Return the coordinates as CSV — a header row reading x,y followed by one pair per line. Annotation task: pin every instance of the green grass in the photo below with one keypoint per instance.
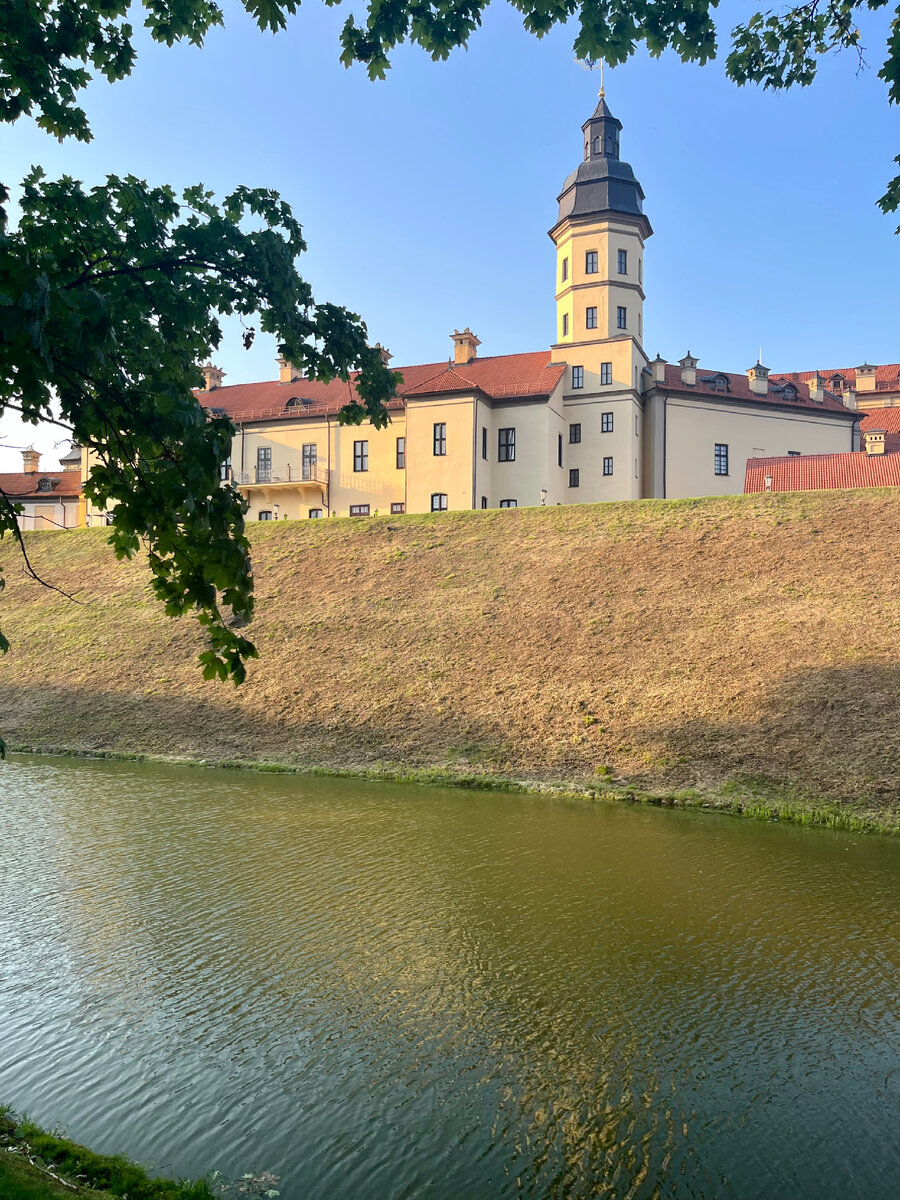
x,y
108,1175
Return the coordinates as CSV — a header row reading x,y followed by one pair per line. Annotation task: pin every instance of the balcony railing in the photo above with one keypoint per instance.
x,y
292,473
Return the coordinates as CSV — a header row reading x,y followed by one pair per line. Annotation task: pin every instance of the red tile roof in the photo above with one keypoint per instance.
x,y
887,376
739,389
23,485
887,419
823,472
506,375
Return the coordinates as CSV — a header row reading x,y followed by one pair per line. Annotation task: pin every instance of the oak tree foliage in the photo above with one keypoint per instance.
x,y
110,297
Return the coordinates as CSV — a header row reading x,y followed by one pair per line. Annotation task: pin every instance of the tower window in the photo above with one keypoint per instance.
x,y
401,453
607,465
440,438
623,262
565,331
573,479
590,262
506,445
596,145
721,459
590,318
574,434
565,269
622,317
439,502
606,422
360,456
606,372
578,377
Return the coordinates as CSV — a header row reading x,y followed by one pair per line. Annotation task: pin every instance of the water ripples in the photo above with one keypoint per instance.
x,y
378,991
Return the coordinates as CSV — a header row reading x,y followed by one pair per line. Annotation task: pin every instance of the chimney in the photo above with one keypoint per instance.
x,y
288,374
212,376
758,375
465,346
865,378
688,366
816,387
874,440
386,355
30,460
658,369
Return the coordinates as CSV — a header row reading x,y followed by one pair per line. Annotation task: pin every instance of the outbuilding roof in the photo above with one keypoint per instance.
x,y
737,387
823,472
25,485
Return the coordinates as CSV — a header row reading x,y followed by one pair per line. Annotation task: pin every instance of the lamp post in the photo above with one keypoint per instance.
x,y
543,497
276,506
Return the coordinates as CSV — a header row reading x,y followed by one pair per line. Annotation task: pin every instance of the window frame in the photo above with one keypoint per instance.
x,y
577,378
621,316
607,466
361,455
575,433
439,496
606,376
484,443
509,504
315,514
398,508
574,477
607,422
590,317
506,444
622,262
263,456
720,459
359,510
565,324
439,439
401,453
564,275
265,514
591,262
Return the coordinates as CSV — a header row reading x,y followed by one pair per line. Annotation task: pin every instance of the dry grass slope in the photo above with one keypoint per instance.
x,y
739,647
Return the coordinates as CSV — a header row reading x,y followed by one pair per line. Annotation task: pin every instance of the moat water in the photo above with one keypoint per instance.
x,y
379,991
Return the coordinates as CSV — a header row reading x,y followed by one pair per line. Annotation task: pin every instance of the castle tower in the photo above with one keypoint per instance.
x,y
599,238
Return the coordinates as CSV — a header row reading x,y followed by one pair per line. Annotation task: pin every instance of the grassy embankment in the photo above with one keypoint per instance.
x,y
739,653
36,1165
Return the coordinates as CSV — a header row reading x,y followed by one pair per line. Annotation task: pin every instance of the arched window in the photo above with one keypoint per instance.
x,y
596,145
610,145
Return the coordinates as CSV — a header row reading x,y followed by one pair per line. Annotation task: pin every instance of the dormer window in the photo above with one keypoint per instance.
x,y
789,392
717,382
294,402
45,485
837,383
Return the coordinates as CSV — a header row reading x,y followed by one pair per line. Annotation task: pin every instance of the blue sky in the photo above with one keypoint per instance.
x,y
425,199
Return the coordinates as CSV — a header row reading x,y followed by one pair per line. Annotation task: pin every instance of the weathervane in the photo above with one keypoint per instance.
x,y
591,64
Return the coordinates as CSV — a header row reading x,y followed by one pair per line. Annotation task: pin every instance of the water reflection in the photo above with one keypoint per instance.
x,y
394,992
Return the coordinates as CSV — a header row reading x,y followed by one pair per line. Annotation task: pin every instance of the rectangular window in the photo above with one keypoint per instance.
x,y
359,510
590,262
578,377
573,479
315,513
606,372
607,465
606,422
401,453
440,438
484,441
263,464
640,270
397,507
438,502
265,514
310,456
506,445
508,504
225,468
484,501
559,449
623,262
360,459
793,453
721,459
565,269
622,317
590,318
565,331
574,434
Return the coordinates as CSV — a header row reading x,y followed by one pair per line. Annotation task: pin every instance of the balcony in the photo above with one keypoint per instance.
x,y
292,474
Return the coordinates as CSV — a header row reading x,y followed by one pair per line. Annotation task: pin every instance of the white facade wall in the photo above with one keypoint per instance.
x,y
622,444
692,429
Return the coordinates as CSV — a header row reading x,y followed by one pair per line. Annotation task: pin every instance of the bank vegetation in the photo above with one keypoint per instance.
x,y
739,653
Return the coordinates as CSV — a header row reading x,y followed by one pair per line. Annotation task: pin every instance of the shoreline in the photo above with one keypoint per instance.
x,y
770,802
